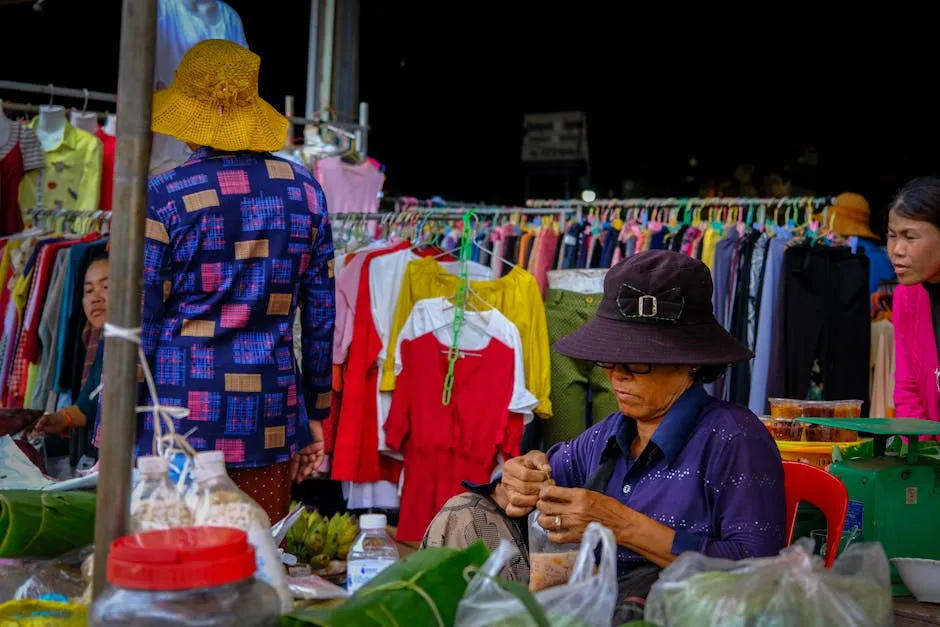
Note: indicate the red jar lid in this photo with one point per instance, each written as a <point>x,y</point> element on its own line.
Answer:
<point>181,559</point>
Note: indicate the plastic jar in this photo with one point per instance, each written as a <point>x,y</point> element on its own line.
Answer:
<point>189,576</point>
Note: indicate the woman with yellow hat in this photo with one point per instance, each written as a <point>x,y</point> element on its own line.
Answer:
<point>236,240</point>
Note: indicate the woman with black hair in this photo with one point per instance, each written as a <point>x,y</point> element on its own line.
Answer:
<point>914,249</point>
<point>95,306</point>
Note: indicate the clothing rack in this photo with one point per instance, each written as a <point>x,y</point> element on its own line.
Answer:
<point>31,108</point>
<point>455,212</point>
<point>52,91</point>
<point>98,214</point>
<point>655,203</point>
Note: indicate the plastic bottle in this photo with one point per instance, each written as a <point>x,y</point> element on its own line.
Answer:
<point>156,504</point>
<point>371,553</point>
<point>219,503</point>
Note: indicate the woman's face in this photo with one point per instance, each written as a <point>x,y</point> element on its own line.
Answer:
<point>914,249</point>
<point>95,300</point>
<point>647,397</point>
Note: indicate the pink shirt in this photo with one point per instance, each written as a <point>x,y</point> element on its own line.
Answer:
<point>916,394</point>
<point>350,188</point>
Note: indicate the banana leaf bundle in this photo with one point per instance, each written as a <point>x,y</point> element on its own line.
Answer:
<point>38,524</point>
<point>422,589</point>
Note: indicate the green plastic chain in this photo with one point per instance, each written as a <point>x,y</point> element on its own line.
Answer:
<point>460,304</point>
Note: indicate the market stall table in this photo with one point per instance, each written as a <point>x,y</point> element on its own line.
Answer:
<point>909,613</point>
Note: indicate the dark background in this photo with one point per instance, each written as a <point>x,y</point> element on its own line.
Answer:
<point>827,110</point>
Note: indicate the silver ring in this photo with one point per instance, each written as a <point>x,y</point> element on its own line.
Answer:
<point>558,522</point>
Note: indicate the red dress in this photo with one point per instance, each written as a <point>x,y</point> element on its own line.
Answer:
<point>107,168</point>
<point>445,445</point>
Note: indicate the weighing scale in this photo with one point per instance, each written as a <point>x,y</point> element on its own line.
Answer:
<point>894,500</point>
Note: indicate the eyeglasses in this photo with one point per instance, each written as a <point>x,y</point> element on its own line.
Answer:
<point>629,368</point>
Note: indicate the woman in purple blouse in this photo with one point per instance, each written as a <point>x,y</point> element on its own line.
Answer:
<point>674,470</point>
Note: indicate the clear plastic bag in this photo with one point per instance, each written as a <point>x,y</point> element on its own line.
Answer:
<point>63,575</point>
<point>587,600</point>
<point>793,589</point>
<point>550,564</point>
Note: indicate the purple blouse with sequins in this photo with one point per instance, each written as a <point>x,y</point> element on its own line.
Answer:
<point>712,472</point>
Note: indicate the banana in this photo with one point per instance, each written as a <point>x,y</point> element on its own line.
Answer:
<point>316,537</point>
<point>319,562</point>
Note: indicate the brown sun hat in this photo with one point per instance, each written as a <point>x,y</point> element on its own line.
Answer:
<point>656,309</point>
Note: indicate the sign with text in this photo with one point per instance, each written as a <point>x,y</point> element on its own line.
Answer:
<point>555,137</point>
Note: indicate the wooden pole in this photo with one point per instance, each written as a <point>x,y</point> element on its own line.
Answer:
<point>131,168</point>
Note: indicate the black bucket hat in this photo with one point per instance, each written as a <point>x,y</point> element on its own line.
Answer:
<point>657,309</point>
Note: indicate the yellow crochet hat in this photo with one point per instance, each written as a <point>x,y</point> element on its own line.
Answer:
<point>214,101</point>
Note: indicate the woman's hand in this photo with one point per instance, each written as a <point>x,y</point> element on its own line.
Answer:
<point>523,477</point>
<point>54,424</point>
<point>306,462</point>
<point>566,512</point>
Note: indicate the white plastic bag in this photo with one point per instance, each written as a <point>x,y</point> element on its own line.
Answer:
<point>793,589</point>
<point>550,564</point>
<point>17,472</point>
<point>587,600</point>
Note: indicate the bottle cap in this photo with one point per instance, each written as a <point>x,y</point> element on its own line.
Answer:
<point>153,465</point>
<point>210,464</point>
<point>181,559</point>
<point>372,522</point>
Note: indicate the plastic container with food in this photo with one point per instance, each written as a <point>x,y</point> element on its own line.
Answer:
<point>785,408</point>
<point>786,429</point>
<point>847,409</point>
<point>188,576</point>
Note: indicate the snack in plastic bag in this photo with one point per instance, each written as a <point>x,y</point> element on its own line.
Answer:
<point>791,589</point>
<point>587,600</point>
<point>550,564</point>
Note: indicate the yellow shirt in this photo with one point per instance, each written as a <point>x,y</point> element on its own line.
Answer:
<point>711,238</point>
<point>517,297</point>
<point>71,178</point>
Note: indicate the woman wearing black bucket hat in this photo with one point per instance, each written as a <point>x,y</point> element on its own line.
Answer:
<point>674,470</point>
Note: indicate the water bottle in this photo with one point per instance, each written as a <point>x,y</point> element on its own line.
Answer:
<point>371,553</point>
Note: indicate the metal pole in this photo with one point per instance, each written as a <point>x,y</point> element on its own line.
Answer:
<point>313,59</point>
<point>326,61</point>
<point>362,139</point>
<point>131,165</point>
<point>53,91</point>
<point>289,113</point>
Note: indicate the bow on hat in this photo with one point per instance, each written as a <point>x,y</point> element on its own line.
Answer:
<point>638,306</point>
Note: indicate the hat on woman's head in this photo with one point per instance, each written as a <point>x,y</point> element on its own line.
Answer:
<point>851,215</point>
<point>214,101</point>
<point>656,309</point>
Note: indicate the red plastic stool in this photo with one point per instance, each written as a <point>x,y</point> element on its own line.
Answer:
<point>817,487</point>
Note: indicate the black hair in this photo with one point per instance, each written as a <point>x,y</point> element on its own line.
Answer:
<point>919,200</point>
<point>708,374</point>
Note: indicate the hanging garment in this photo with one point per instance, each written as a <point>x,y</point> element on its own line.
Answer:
<point>71,178</point>
<point>21,154</point>
<point>44,392</point>
<point>108,144</point>
<point>445,445</point>
<point>883,369</point>
<point>826,322</point>
<point>350,188</point>
<point>516,295</point>
<point>235,242</point>
<point>767,349</point>
<point>880,265</point>
<point>573,382</point>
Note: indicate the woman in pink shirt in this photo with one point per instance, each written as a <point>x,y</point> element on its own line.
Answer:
<point>914,249</point>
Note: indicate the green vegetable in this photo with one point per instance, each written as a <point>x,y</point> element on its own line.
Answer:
<point>41,524</point>
<point>422,589</point>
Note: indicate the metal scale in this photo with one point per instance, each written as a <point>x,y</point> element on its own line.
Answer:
<point>894,500</point>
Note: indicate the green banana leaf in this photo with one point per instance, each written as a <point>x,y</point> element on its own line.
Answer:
<point>43,525</point>
<point>422,589</point>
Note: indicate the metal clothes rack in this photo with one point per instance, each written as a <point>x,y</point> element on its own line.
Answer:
<point>357,131</point>
<point>655,203</point>
<point>98,214</point>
